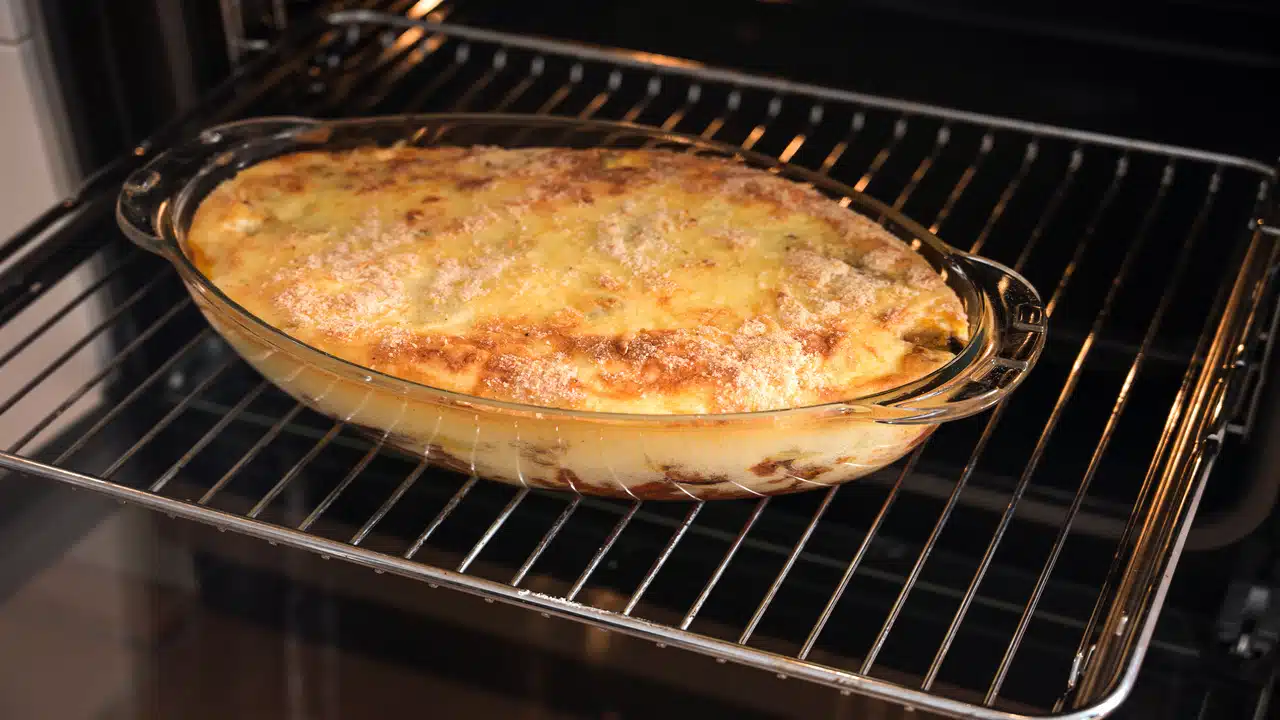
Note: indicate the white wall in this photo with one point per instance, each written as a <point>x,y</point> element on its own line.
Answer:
<point>36,171</point>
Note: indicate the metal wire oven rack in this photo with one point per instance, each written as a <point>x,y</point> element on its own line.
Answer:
<point>1012,566</point>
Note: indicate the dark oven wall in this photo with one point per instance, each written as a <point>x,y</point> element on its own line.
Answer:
<point>125,66</point>
<point>1179,71</point>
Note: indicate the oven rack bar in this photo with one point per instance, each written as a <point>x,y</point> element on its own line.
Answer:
<point>443,67</point>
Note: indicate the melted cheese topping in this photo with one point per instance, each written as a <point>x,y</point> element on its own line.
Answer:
<point>630,281</point>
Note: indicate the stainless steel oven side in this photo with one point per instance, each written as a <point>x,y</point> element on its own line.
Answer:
<point>1124,618</point>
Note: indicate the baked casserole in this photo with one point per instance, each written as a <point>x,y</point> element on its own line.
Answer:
<point>631,281</point>
<point>549,294</point>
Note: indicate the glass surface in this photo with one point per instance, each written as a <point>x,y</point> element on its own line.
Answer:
<point>672,457</point>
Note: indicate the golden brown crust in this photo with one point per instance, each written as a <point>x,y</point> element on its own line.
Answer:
<point>613,280</point>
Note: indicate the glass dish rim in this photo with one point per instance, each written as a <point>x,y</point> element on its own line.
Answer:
<point>168,237</point>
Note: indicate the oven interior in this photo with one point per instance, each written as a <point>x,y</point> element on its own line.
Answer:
<point>973,569</point>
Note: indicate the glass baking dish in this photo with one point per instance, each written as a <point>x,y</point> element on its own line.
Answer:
<point>612,454</point>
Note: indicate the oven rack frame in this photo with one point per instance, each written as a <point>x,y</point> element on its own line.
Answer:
<point>1227,374</point>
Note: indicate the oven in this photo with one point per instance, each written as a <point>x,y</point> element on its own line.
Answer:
<point>1101,543</point>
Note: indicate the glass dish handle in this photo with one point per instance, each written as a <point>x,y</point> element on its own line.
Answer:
<point>1003,354</point>
<point>149,190</point>
<point>1017,336</point>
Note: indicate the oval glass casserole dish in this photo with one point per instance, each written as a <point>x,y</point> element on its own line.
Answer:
<point>648,369</point>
